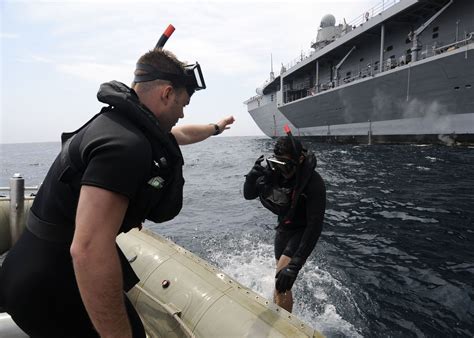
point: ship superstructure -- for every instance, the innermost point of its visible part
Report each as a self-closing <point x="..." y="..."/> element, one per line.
<point x="401" y="72"/>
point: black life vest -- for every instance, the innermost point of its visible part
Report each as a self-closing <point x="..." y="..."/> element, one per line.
<point x="160" y="199"/>
<point x="283" y="201"/>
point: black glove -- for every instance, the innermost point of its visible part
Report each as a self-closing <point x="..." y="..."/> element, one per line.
<point x="259" y="160"/>
<point x="285" y="278"/>
<point x="256" y="179"/>
<point x="257" y="170"/>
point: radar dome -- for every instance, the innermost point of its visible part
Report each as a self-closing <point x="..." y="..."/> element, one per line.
<point x="328" y="21"/>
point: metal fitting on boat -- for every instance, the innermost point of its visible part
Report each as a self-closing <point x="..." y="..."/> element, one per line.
<point x="17" y="204"/>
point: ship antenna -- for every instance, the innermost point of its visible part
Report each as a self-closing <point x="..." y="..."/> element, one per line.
<point x="272" y="75"/>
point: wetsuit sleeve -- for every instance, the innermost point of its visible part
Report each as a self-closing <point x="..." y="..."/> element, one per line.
<point x="253" y="180"/>
<point x="250" y="188"/>
<point x="119" y="164"/>
<point x="315" y="209"/>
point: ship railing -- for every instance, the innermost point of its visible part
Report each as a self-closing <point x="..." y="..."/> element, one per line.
<point x="454" y="45"/>
<point x="430" y="50"/>
<point x="354" y="23"/>
<point x="253" y="98"/>
<point x="303" y="56"/>
<point x="376" y="10"/>
<point x="5" y="192"/>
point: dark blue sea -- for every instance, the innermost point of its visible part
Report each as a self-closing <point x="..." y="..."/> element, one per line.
<point x="396" y="256"/>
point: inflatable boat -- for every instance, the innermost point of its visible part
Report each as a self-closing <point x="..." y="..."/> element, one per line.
<point x="179" y="294"/>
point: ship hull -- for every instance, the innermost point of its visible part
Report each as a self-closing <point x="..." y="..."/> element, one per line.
<point x="270" y="120"/>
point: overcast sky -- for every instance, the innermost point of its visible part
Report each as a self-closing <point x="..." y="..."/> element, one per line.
<point x="55" y="54"/>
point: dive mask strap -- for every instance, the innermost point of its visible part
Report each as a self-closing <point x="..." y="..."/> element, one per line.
<point x="153" y="74"/>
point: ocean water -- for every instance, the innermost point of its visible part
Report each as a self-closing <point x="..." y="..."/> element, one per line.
<point x="395" y="258"/>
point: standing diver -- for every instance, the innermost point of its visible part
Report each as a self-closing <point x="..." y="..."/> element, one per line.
<point x="290" y="187"/>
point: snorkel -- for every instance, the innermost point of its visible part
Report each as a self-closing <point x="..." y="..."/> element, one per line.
<point x="165" y="36"/>
<point x="297" y="188"/>
<point x="191" y="78"/>
<point x="295" y="154"/>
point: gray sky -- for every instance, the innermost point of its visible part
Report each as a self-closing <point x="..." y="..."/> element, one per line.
<point x="55" y="54"/>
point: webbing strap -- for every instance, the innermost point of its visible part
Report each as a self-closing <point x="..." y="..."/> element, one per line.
<point x="59" y="233"/>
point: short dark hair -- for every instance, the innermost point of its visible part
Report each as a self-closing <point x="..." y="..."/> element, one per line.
<point x="162" y="60"/>
<point x="284" y="146"/>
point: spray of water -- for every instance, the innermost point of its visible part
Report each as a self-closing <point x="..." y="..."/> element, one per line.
<point x="254" y="266"/>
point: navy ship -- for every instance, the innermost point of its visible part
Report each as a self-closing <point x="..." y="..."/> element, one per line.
<point x="401" y="72"/>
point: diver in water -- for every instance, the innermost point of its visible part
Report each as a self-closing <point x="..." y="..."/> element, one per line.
<point x="290" y="187"/>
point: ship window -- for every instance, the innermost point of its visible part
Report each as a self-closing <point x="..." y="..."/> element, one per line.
<point x="435" y="29"/>
<point x="435" y="35"/>
<point x="407" y="40"/>
<point x="456" y="88"/>
<point x="348" y="74"/>
<point x="468" y="86"/>
<point x="389" y="48"/>
<point x="361" y="59"/>
<point x="271" y="98"/>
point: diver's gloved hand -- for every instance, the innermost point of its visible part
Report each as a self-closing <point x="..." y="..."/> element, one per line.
<point x="285" y="278"/>
<point x="259" y="161"/>
<point x="257" y="170"/>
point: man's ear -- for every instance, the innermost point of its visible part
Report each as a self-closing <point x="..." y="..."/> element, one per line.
<point x="166" y="92"/>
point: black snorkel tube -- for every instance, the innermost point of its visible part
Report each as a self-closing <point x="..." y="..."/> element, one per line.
<point x="297" y="190"/>
<point x="191" y="78"/>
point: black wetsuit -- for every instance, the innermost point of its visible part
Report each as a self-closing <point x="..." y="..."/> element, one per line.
<point x="121" y="150"/>
<point x="298" y="230"/>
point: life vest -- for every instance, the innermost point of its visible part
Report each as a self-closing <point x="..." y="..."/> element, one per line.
<point x="160" y="199"/>
<point x="282" y="201"/>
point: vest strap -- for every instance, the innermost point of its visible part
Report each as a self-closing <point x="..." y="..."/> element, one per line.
<point x="49" y="231"/>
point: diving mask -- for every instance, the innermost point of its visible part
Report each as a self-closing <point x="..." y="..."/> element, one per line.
<point x="191" y="78"/>
<point x="283" y="165"/>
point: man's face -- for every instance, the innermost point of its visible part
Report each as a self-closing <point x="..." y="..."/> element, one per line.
<point x="178" y="99"/>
